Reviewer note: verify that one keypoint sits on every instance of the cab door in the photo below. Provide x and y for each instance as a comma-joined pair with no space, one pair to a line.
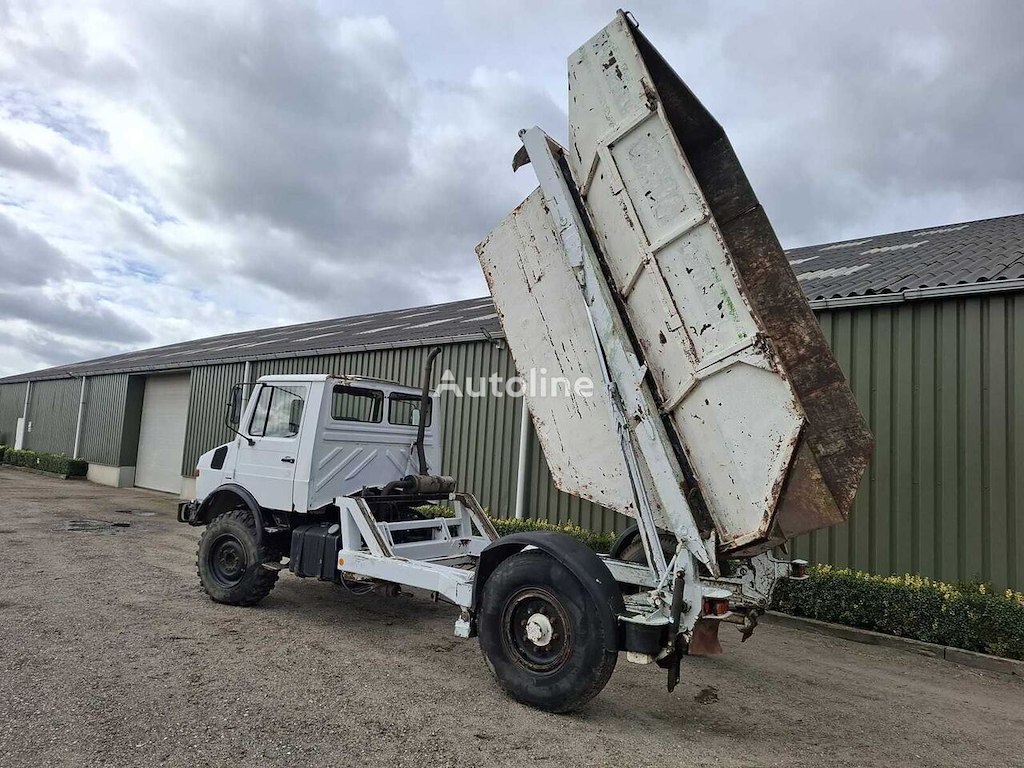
267,468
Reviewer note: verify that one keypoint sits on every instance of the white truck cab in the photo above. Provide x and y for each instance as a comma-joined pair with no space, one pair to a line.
303,440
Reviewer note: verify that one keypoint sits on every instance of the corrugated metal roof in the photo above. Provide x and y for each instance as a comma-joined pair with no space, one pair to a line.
957,254
982,254
468,320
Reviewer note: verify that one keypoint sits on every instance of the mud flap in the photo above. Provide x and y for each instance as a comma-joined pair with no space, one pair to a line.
704,640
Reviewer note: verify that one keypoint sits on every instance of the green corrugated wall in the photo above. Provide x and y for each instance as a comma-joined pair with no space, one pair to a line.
209,386
938,383
53,416
103,419
107,418
12,403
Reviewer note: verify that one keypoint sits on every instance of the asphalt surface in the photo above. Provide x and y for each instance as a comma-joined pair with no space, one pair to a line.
110,655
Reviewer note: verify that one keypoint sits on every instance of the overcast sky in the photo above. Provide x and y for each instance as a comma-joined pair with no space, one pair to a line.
173,171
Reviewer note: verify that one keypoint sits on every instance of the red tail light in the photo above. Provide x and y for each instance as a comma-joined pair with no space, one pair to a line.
715,606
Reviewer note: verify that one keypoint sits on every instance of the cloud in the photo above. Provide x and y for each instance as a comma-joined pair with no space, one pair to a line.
871,127
179,170
34,161
50,349
76,316
26,259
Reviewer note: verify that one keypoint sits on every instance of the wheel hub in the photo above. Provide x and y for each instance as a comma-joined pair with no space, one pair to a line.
228,560
536,630
539,630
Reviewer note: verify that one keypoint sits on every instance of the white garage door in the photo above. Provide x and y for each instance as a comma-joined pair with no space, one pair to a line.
162,435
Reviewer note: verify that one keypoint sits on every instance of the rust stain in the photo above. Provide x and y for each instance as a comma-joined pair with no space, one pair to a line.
650,95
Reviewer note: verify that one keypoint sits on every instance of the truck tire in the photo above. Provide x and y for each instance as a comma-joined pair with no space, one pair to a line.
542,633
230,561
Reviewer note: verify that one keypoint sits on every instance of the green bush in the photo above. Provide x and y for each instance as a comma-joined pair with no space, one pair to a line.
57,463
599,542
3,449
970,616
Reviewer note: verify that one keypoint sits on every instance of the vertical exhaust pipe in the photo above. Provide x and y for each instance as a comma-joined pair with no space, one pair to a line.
428,369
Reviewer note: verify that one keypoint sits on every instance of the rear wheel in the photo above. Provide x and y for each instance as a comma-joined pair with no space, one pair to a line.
542,633
230,561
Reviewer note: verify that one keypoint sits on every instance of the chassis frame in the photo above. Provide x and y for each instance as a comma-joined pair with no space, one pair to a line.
446,565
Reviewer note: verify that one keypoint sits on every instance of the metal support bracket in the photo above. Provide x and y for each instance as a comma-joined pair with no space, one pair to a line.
646,447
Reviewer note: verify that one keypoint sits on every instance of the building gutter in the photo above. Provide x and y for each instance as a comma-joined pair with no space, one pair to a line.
919,294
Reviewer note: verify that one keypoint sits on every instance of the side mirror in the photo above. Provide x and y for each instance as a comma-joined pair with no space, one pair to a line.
235,406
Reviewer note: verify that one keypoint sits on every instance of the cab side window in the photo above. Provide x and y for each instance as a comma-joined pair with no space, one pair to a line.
405,410
278,412
357,404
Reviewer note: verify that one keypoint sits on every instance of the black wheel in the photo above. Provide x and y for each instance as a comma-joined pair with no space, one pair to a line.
542,633
230,562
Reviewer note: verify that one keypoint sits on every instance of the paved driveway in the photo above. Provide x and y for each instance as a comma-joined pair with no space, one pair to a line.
111,655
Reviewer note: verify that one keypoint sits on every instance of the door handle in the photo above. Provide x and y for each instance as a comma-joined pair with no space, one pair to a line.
288,460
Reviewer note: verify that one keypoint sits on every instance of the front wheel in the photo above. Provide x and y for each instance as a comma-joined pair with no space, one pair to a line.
542,633
230,561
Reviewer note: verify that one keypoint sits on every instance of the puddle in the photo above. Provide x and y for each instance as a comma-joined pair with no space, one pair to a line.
91,526
134,512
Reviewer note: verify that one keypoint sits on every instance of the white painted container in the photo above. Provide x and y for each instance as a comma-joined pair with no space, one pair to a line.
768,439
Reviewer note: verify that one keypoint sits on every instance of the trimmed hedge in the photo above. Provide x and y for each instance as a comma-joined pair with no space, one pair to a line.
971,616
3,450
56,463
599,542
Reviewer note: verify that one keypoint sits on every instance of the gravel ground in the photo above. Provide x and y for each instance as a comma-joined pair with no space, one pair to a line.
110,655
